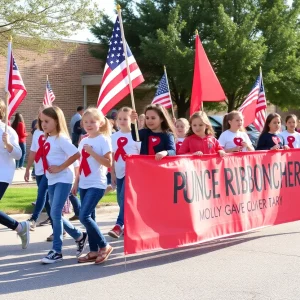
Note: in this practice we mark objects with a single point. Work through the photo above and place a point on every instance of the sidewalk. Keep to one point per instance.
(19, 178)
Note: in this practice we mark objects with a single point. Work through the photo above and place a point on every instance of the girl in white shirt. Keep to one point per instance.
(234, 138)
(9, 152)
(35, 157)
(182, 126)
(290, 135)
(95, 159)
(122, 145)
(58, 156)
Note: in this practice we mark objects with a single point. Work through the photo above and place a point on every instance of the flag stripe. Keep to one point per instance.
(162, 95)
(115, 80)
(105, 108)
(257, 95)
(112, 81)
(119, 87)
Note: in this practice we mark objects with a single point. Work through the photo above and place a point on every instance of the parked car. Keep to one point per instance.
(217, 122)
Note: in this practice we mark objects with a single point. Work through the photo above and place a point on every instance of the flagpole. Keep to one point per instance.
(165, 71)
(128, 70)
(7, 84)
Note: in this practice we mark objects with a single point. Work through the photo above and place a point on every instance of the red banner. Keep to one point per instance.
(187, 199)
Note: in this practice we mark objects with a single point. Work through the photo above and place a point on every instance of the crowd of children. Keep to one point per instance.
(55, 159)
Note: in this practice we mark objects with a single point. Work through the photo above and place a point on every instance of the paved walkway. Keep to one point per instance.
(19, 178)
(262, 265)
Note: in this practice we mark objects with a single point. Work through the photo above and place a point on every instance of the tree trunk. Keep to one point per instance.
(231, 102)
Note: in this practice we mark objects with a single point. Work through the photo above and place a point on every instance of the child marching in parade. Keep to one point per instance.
(58, 156)
(182, 126)
(157, 138)
(234, 138)
(35, 157)
(122, 145)
(9, 152)
(269, 138)
(290, 135)
(95, 159)
(200, 137)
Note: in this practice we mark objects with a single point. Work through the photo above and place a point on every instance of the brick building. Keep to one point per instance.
(74, 76)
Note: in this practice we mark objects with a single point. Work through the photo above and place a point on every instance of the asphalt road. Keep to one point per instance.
(260, 265)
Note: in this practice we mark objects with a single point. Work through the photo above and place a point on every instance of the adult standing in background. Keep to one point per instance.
(74, 119)
(19, 126)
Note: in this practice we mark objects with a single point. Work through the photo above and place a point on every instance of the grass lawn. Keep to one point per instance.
(18, 200)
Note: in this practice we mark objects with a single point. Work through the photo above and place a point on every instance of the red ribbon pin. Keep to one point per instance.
(121, 142)
(178, 145)
(238, 141)
(39, 153)
(46, 149)
(153, 141)
(84, 165)
(291, 140)
(276, 140)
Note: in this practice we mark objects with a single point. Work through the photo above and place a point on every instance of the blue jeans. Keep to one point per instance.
(75, 139)
(20, 163)
(89, 199)
(4, 218)
(42, 199)
(120, 198)
(76, 204)
(58, 194)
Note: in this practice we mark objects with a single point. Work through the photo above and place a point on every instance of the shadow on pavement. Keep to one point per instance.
(22, 271)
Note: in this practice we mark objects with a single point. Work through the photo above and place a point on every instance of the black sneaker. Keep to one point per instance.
(81, 244)
(45, 223)
(52, 257)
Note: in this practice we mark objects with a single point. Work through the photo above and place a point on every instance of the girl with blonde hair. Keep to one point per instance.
(96, 157)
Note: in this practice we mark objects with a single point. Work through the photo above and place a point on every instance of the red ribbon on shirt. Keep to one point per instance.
(121, 142)
(39, 153)
(84, 165)
(276, 140)
(46, 149)
(238, 141)
(178, 145)
(291, 140)
(153, 141)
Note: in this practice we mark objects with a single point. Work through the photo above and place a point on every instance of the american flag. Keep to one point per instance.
(14, 84)
(162, 95)
(115, 82)
(257, 97)
(49, 95)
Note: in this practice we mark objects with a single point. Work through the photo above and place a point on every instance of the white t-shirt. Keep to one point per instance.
(97, 177)
(122, 144)
(61, 148)
(38, 140)
(7, 160)
(291, 139)
(229, 139)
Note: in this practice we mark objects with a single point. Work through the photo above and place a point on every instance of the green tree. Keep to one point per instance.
(37, 24)
(239, 36)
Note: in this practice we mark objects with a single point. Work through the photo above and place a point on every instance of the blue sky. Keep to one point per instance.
(84, 35)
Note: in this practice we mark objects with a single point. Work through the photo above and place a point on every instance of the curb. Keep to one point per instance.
(100, 210)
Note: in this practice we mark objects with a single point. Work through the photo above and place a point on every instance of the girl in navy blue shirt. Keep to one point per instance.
(269, 138)
(157, 138)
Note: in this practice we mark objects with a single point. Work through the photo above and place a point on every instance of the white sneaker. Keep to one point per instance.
(24, 234)
(32, 224)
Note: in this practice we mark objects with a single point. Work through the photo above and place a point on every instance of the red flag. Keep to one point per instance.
(14, 84)
(206, 86)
